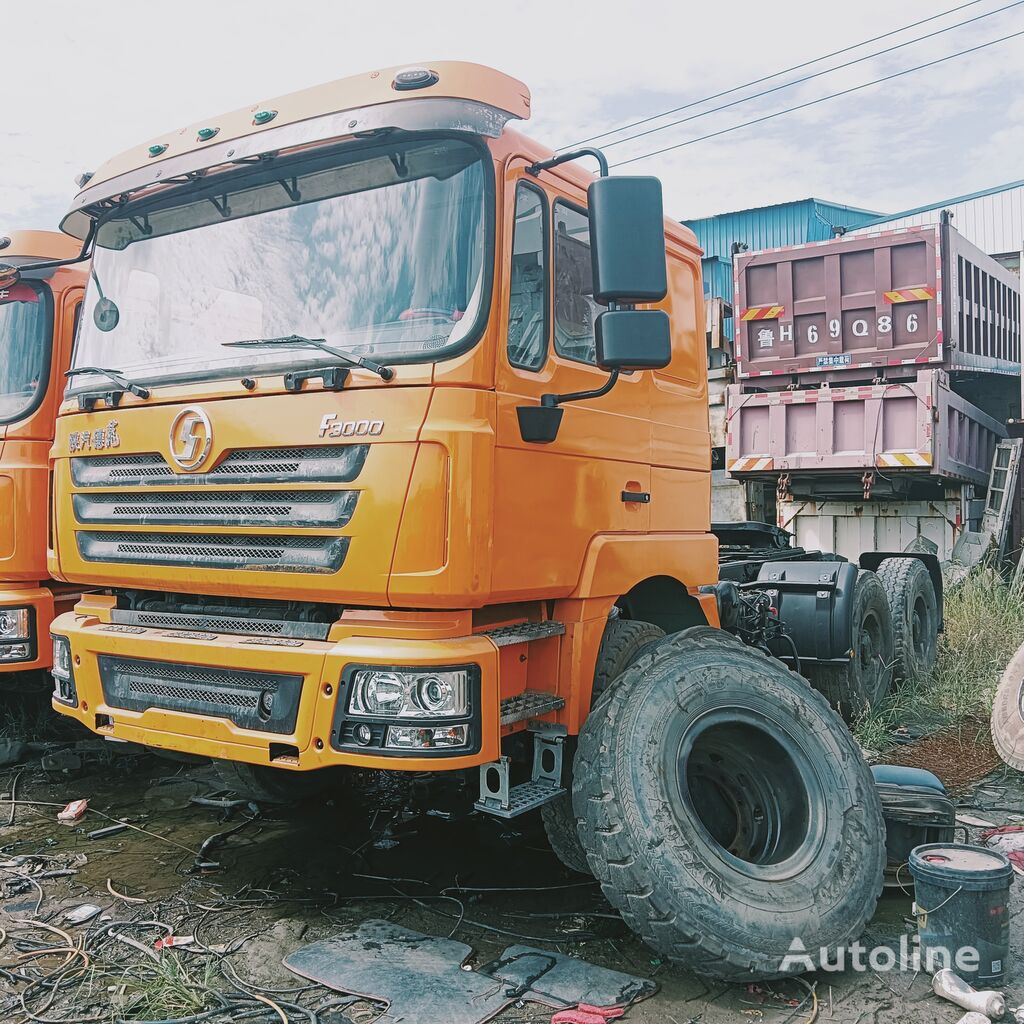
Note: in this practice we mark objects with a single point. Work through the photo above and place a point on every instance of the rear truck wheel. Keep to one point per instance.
(265, 785)
(915, 616)
(856, 687)
(622, 643)
(727, 811)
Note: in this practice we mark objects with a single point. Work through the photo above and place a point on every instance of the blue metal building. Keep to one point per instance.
(766, 227)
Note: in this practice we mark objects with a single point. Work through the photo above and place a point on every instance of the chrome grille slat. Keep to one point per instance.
(216, 551)
(222, 623)
(324, 509)
(329, 463)
(260, 701)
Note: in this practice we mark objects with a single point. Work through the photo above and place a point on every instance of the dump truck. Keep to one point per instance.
(387, 448)
(38, 312)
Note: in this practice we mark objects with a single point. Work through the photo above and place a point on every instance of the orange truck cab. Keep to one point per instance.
(388, 448)
(38, 311)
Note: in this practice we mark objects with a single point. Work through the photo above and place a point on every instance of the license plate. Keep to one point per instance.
(840, 360)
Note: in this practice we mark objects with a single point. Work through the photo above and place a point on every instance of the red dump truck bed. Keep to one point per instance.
(908, 428)
(874, 305)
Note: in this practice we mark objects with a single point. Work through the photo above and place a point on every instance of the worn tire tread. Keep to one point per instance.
(624, 882)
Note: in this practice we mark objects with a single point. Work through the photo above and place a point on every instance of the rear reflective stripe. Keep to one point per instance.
(896, 459)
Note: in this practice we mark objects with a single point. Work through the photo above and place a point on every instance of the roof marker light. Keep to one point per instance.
(158, 148)
(4, 242)
(263, 116)
(414, 78)
(205, 134)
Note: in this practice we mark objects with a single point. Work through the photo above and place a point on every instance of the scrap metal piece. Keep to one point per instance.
(415, 974)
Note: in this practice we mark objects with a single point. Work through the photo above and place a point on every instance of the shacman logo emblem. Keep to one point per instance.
(191, 438)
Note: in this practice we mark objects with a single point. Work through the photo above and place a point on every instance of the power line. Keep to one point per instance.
(775, 74)
(807, 78)
(820, 99)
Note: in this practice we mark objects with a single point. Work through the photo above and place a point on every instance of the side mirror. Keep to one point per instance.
(9, 275)
(633, 339)
(627, 240)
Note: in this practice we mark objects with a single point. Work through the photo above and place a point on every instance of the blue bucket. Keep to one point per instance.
(961, 897)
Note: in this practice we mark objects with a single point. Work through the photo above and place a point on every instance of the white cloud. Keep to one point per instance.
(87, 81)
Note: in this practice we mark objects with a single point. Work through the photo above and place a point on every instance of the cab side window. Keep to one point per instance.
(575, 309)
(528, 294)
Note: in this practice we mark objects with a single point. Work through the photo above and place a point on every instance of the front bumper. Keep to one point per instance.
(303, 729)
(33, 651)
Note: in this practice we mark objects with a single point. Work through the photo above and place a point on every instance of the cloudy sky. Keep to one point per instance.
(87, 80)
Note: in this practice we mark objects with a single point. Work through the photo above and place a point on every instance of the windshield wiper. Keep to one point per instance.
(384, 372)
(115, 376)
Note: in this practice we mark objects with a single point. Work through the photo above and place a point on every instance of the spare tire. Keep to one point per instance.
(727, 811)
(860, 684)
(1008, 713)
(622, 643)
(915, 616)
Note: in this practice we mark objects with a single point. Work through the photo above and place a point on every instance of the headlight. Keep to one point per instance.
(15, 652)
(61, 657)
(409, 693)
(15, 624)
(64, 689)
(415, 737)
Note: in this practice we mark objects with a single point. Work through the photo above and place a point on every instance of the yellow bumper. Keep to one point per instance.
(312, 737)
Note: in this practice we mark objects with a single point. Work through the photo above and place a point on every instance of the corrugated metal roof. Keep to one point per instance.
(765, 227)
(993, 219)
(806, 220)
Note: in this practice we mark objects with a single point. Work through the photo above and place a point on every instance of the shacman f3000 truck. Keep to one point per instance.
(38, 312)
(393, 453)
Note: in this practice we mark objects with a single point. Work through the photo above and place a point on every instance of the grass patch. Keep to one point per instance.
(984, 626)
(167, 990)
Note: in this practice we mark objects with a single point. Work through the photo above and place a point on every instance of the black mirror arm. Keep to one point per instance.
(552, 401)
(576, 154)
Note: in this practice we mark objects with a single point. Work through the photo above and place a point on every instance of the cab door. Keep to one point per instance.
(551, 500)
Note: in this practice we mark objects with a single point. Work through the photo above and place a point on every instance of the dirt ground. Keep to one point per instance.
(291, 876)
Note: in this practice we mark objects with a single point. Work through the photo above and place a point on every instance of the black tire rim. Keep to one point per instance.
(869, 649)
(920, 628)
(746, 786)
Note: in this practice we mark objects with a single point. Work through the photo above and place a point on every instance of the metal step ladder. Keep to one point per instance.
(524, 632)
(500, 798)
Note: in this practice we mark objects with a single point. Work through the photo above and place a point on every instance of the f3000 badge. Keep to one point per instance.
(331, 426)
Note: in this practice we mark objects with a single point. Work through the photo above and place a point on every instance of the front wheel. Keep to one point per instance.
(727, 812)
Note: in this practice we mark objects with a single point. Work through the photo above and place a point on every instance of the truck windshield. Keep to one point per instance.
(24, 348)
(378, 250)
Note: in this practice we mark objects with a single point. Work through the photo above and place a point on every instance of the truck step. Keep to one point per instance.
(529, 704)
(523, 632)
(500, 798)
(522, 798)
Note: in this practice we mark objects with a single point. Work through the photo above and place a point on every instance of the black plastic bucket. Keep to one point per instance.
(961, 896)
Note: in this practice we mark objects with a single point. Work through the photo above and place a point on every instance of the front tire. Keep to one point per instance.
(726, 811)
(622, 643)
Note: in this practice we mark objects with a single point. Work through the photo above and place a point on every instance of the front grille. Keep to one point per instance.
(213, 551)
(223, 624)
(328, 463)
(218, 508)
(260, 701)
